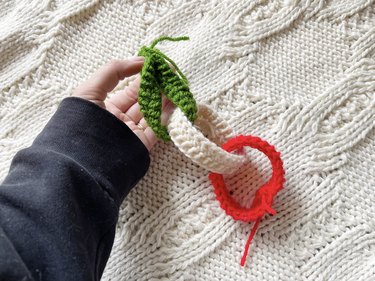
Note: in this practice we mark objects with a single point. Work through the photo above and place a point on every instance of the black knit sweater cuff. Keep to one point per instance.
(99, 142)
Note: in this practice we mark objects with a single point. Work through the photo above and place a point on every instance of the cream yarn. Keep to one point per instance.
(191, 140)
(299, 74)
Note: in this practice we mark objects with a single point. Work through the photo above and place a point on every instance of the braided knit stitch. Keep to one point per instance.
(158, 77)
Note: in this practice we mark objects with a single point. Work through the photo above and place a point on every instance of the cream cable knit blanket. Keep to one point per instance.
(299, 74)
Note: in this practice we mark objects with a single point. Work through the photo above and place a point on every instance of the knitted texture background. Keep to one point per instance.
(299, 74)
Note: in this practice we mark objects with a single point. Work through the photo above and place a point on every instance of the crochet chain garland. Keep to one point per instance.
(158, 77)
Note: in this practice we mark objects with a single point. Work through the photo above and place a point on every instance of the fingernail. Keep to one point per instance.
(137, 58)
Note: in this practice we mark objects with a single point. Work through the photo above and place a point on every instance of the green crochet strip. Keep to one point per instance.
(158, 78)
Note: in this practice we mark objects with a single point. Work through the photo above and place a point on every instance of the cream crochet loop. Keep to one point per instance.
(201, 141)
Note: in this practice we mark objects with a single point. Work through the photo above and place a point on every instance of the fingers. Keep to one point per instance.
(123, 100)
(147, 136)
(107, 78)
(151, 137)
(168, 109)
(135, 113)
(148, 133)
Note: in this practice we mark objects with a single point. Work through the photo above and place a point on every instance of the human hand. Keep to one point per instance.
(122, 104)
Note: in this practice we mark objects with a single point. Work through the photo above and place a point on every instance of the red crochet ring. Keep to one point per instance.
(263, 199)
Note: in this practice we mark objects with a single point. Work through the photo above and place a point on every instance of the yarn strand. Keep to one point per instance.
(247, 246)
(173, 39)
(164, 38)
(182, 76)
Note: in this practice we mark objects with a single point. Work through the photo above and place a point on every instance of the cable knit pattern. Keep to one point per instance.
(299, 74)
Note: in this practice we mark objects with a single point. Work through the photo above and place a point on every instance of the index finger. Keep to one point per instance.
(107, 77)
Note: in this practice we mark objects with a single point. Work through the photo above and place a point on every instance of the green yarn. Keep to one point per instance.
(158, 78)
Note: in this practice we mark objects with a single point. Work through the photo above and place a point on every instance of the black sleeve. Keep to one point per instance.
(59, 203)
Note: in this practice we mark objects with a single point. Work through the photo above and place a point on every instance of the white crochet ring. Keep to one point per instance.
(204, 149)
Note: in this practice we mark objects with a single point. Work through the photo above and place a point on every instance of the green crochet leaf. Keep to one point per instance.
(157, 77)
(150, 99)
(176, 89)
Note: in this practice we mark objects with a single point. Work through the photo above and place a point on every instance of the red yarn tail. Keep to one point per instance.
(251, 236)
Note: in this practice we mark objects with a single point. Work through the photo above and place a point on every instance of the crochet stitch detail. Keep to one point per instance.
(191, 140)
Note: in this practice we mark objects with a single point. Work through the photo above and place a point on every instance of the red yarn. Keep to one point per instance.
(263, 199)
(251, 236)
